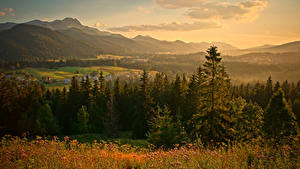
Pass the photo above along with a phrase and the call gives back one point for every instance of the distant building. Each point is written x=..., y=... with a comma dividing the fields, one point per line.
x=108, y=77
x=95, y=78
x=45, y=79
x=67, y=81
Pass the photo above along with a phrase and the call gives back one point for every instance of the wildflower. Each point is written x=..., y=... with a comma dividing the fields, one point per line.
x=66, y=138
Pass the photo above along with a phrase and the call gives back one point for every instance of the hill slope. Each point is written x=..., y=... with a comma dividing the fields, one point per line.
x=81, y=41
x=116, y=43
x=283, y=48
x=33, y=42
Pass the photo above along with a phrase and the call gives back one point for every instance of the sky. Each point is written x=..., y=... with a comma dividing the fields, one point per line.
x=242, y=23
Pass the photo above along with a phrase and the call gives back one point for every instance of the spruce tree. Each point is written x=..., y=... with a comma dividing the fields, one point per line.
x=74, y=103
x=158, y=88
x=247, y=119
x=194, y=99
x=145, y=108
x=46, y=123
x=102, y=83
x=165, y=130
x=213, y=121
x=296, y=109
x=82, y=120
x=95, y=117
x=96, y=89
x=86, y=90
x=177, y=98
x=111, y=118
x=279, y=120
x=277, y=86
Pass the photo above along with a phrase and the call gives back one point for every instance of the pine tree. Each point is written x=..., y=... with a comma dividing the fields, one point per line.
x=268, y=91
x=100, y=98
x=177, y=97
x=95, y=117
x=277, y=86
x=213, y=121
x=158, y=88
x=192, y=104
x=73, y=105
x=259, y=94
x=285, y=86
x=247, y=119
x=164, y=130
x=127, y=107
x=111, y=119
x=96, y=89
x=86, y=90
x=279, y=120
x=46, y=122
x=296, y=109
x=82, y=120
x=194, y=99
x=145, y=108
x=102, y=83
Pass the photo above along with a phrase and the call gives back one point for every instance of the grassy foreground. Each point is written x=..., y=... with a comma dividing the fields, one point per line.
x=18, y=152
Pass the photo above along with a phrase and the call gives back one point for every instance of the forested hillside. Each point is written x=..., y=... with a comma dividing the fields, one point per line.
x=167, y=111
x=31, y=43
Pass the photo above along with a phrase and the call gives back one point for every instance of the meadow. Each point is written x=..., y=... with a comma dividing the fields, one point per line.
x=16, y=152
x=67, y=72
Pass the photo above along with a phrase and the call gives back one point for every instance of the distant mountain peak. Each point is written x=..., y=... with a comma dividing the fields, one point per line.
x=179, y=41
x=71, y=20
x=143, y=37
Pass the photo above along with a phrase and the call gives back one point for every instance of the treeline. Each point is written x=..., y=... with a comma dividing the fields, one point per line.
x=128, y=63
x=261, y=93
x=166, y=111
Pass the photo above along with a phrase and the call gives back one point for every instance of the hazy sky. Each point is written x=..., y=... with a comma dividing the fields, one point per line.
x=243, y=23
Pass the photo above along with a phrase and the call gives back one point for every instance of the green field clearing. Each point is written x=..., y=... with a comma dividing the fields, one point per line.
x=107, y=57
x=69, y=71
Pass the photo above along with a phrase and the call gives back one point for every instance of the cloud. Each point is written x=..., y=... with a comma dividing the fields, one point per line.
x=144, y=10
x=242, y=10
x=174, y=26
x=173, y=4
x=247, y=10
x=99, y=25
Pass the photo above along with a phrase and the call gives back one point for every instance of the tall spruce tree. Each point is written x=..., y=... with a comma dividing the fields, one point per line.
x=158, y=88
x=82, y=120
x=279, y=120
x=177, y=98
x=111, y=118
x=194, y=99
x=95, y=117
x=213, y=121
x=268, y=91
x=145, y=109
x=86, y=90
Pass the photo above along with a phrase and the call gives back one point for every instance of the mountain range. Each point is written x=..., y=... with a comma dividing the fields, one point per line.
x=68, y=38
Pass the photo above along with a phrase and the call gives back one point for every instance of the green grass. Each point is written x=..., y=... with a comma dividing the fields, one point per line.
x=108, y=57
x=124, y=138
x=68, y=72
